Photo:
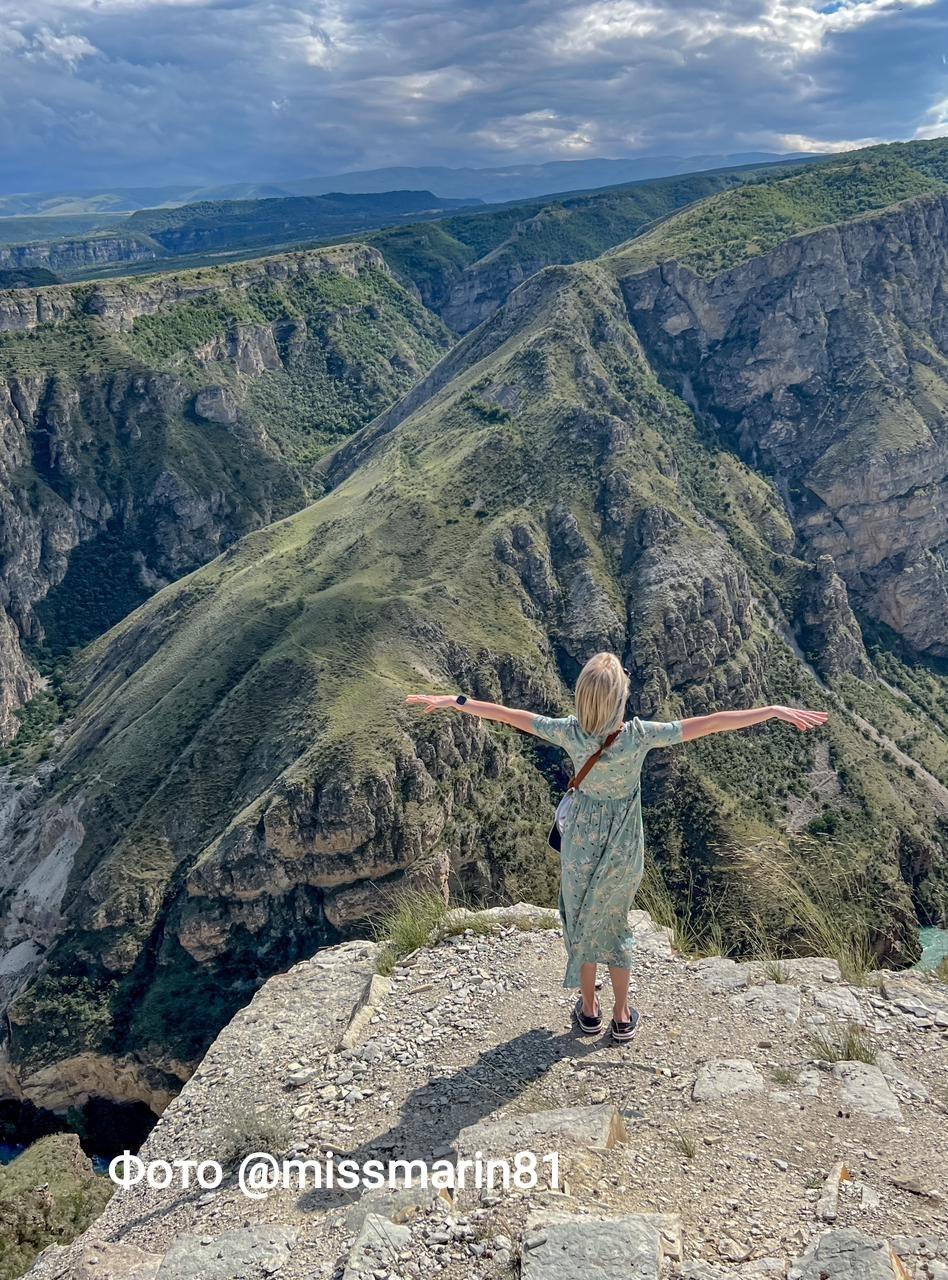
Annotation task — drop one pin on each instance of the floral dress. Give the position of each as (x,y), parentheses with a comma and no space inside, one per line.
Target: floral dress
(603,843)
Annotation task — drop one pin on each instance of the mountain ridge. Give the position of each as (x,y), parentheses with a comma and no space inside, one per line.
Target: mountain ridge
(132,198)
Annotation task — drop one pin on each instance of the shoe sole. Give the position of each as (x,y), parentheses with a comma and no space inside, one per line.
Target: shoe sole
(587,1031)
(631,1036)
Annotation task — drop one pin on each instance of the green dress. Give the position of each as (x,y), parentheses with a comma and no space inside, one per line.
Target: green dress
(603,842)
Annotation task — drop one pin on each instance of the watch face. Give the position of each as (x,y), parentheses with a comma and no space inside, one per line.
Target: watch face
(461,699)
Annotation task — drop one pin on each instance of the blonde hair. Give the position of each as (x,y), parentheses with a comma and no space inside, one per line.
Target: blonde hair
(602,691)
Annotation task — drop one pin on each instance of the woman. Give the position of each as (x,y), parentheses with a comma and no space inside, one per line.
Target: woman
(602,841)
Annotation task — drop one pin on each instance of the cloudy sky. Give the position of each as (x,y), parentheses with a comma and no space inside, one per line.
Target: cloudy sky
(141,92)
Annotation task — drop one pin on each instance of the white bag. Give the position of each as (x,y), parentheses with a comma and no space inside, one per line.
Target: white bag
(562,810)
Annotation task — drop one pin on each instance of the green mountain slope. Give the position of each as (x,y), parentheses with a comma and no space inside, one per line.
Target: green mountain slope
(466,265)
(721,232)
(227,224)
(148,425)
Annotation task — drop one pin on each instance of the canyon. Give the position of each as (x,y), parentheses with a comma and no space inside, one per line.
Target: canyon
(725,462)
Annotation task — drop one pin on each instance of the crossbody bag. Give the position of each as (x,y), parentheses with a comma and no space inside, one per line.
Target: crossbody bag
(555,838)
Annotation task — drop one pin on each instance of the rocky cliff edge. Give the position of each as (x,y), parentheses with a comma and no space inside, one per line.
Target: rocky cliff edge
(769,1120)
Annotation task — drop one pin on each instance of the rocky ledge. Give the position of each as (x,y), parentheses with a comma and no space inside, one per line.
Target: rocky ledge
(769,1121)
(118,303)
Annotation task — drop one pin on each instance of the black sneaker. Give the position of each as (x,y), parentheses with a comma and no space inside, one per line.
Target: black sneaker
(590,1026)
(622,1031)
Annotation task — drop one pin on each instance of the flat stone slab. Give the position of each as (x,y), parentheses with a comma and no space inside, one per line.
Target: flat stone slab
(244,1254)
(812,971)
(755,1269)
(915,995)
(866,1090)
(376,1248)
(848,1255)
(397,1204)
(720,975)
(771,1000)
(564,1247)
(649,936)
(99,1260)
(727,1078)
(522,915)
(596,1128)
(899,1079)
(839,1003)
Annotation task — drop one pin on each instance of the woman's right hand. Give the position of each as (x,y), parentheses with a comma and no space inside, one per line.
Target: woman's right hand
(433,702)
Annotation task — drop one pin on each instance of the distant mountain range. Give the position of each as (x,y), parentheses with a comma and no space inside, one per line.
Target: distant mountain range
(89,209)
(192,235)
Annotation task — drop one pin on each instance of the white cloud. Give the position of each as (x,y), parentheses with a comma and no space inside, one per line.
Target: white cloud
(544,131)
(448,84)
(935,124)
(820,146)
(53,47)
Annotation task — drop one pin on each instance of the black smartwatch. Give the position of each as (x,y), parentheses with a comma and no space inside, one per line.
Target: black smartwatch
(461,699)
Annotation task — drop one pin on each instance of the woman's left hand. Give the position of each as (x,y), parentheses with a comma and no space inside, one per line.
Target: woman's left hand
(800,718)
(433,702)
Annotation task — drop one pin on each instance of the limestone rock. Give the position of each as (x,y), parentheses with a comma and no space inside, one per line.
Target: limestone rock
(376,1247)
(249,1252)
(914,995)
(596,1128)
(727,1078)
(827,1207)
(830,630)
(564,1247)
(864,1089)
(899,1079)
(840,1003)
(521,915)
(100,1260)
(774,1000)
(216,404)
(720,974)
(650,937)
(848,1255)
(397,1204)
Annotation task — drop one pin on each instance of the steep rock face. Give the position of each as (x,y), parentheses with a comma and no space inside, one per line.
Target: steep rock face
(146,424)
(18,680)
(826,361)
(63,257)
(830,631)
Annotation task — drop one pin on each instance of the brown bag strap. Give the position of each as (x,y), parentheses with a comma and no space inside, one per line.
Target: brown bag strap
(578,779)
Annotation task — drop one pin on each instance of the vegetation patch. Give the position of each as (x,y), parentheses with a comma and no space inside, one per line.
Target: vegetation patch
(48,1195)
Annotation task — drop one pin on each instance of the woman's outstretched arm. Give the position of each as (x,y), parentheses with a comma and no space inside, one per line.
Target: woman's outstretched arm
(725,721)
(484,710)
